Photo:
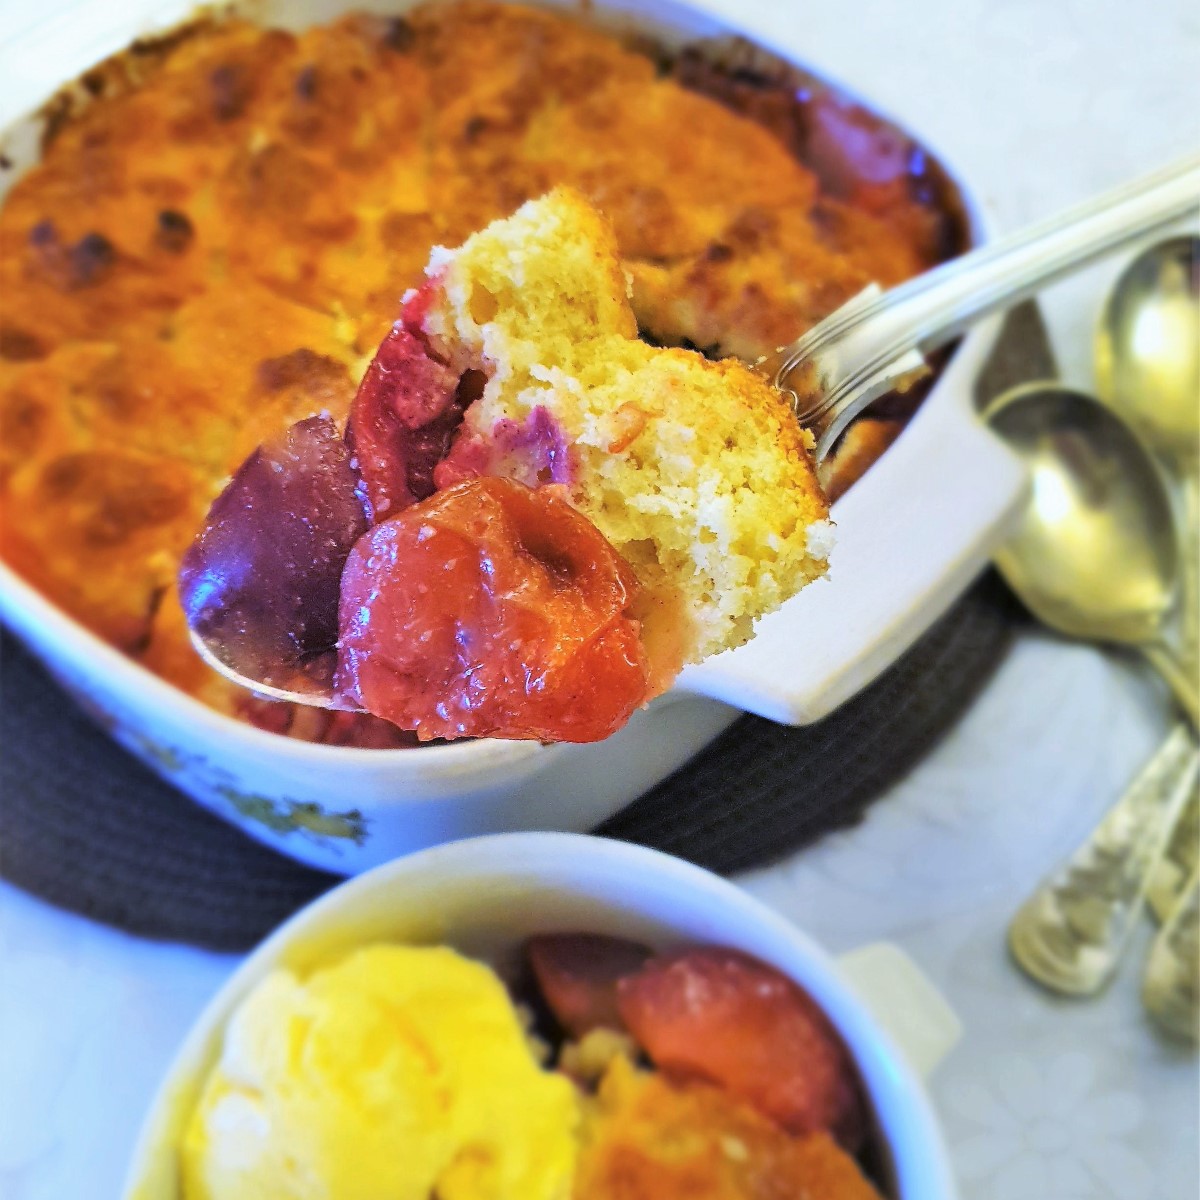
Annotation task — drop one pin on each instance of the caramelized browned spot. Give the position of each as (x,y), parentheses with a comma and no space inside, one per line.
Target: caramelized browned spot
(23,421)
(106,498)
(17,345)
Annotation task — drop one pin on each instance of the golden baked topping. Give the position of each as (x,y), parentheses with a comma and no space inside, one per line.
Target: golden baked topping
(211,246)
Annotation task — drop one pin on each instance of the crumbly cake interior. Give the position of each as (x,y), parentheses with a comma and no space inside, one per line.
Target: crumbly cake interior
(214,244)
(695,471)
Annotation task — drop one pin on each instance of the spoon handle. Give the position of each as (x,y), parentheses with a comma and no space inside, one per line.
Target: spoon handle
(1171,989)
(1189,504)
(1177,677)
(854,350)
(1069,934)
(1182,854)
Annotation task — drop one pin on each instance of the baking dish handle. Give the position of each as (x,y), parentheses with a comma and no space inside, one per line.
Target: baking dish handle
(910,538)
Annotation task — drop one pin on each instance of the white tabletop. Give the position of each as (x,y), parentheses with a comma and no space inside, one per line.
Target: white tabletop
(1038,103)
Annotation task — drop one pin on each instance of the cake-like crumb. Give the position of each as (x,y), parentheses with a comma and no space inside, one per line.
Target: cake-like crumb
(587,1059)
(647,1136)
(695,471)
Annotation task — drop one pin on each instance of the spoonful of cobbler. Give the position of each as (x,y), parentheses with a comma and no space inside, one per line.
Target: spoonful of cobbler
(531,519)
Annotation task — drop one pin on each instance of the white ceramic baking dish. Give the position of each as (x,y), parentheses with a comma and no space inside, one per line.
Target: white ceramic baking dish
(910,536)
(484,896)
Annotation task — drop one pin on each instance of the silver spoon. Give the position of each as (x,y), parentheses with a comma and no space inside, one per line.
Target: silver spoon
(1148,349)
(1096,553)
(1095,556)
(875,342)
(1148,368)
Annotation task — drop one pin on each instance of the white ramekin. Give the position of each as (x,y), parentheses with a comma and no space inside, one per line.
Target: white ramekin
(485,895)
(910,536)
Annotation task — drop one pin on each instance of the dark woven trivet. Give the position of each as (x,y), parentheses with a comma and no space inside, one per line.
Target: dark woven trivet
(87,827)
(761,789)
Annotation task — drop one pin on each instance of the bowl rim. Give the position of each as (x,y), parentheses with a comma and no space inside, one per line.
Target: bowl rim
(23,606)
(566,859)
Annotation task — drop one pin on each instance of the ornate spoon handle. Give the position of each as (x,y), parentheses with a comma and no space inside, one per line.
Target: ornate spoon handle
(1179,860)
(1070,932)
(1183,850)
(1171,991)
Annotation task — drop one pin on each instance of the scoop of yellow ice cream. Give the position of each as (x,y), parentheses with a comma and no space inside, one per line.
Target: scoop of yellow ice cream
(397,1073)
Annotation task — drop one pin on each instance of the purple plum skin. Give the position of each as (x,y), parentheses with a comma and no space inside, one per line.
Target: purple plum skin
(260,584)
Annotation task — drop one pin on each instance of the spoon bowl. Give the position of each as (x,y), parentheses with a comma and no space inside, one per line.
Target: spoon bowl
(1095,554)
(1148,347)
(1148,370)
